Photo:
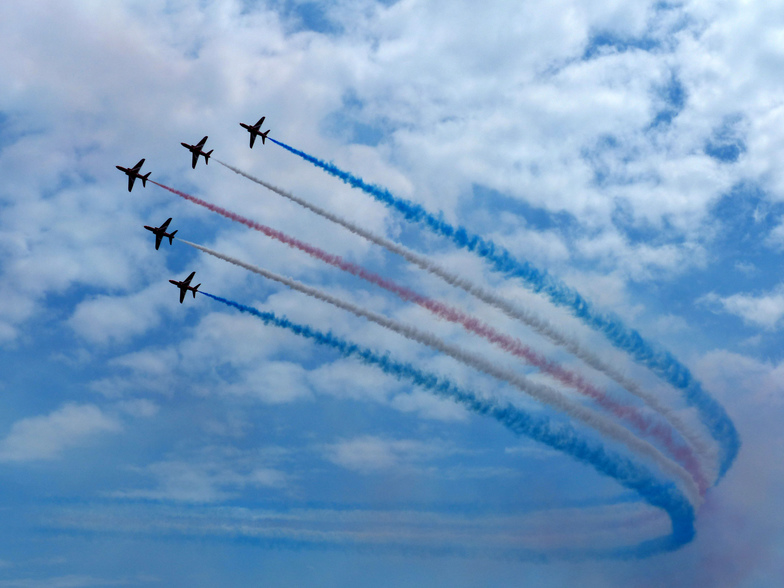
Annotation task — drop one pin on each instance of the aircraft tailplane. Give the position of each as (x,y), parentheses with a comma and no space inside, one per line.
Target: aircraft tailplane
(196,290)
(144,179)
(207,156)
(171,239)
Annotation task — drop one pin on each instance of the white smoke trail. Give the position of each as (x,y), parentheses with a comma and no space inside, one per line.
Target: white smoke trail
(708,456)
(544,394)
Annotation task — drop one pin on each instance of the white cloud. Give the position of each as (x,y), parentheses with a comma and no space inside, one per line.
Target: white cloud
(496,97)
(776,237)
(113,319)
(275,382)
(427,405)
(46,437)
(764,310)
(726,373)
(368,454)
(139,408)
(69,581)
(207,480)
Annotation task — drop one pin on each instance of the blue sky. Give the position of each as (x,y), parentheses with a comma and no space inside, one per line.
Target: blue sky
(629,149)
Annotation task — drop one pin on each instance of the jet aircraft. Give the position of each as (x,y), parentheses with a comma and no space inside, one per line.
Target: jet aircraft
(196,150)
(185,285)
(255,130)
(133,173)
(160,233)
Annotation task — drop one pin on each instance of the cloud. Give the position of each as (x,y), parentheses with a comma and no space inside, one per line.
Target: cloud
(369,454)
(430,407)
(276,382)
(550,104)
(765,310)
(776,237)
(205,481)
(69,581)
(116,319)
(46,437)
(726,372)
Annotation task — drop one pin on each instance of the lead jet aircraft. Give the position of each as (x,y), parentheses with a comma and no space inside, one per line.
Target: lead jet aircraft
(255,130)
(185,285)
(196,150)
(160,233)
(133,173)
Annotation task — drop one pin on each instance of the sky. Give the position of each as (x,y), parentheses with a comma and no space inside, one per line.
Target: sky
(626,150)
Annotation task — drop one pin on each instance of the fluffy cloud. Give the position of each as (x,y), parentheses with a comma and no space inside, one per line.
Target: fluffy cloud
(46,437)
(764,310)
(604,133)
(368,454)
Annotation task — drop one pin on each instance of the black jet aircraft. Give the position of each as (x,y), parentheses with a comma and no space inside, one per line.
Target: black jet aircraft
(160,233)
(185,285)
(133,173)
(255,130)
(196,150)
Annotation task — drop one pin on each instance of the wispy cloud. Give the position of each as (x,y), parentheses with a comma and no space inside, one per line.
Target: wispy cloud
(216,476)
(69,581)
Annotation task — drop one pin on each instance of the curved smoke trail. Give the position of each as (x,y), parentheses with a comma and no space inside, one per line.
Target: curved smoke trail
(658,360)
(509,344)
(544,394)
(563,438)
(539,324)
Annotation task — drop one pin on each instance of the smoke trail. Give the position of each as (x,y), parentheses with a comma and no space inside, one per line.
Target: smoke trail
(543,393)
(658,360)
(564,438)
(509,344)
(540,325)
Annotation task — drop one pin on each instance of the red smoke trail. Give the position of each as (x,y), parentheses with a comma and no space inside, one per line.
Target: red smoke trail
(509,344)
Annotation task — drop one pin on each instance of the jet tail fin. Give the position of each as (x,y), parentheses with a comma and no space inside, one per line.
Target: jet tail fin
(144,179)
(171,239)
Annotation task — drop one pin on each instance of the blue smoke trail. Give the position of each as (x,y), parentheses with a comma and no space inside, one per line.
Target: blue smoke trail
(658,360)
(564,438)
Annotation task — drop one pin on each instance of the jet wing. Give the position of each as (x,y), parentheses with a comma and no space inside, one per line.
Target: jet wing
(131,180)
(201,143)
(165,225)
(195,159)
(261,122)
(139,165)
(252,139)
(158,238)
(183,290)
(187,281)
